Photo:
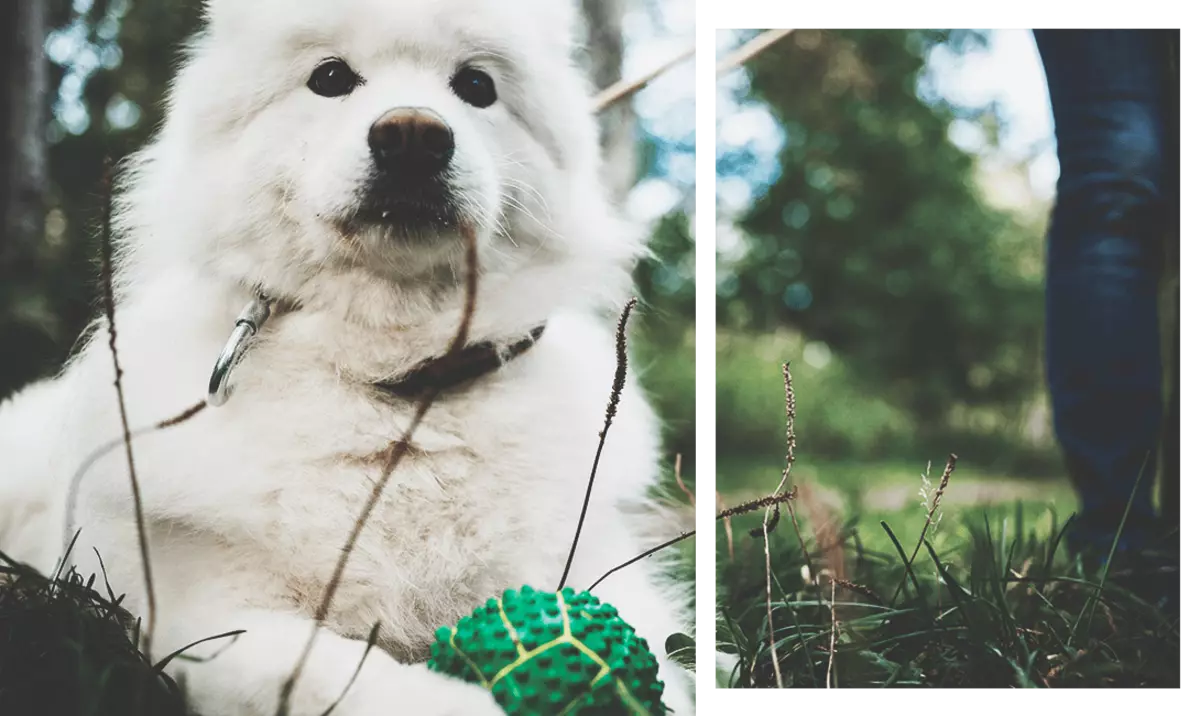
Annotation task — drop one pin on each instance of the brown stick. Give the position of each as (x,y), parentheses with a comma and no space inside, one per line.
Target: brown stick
(832,632)
(745,507)
(90,460)
(679,479)
(753,48)
(396,452)
(110,312)
(626,88)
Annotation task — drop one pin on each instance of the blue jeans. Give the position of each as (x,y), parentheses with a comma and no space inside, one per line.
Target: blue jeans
(1117,201)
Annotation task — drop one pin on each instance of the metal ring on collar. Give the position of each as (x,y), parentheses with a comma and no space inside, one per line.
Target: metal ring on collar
(248,323)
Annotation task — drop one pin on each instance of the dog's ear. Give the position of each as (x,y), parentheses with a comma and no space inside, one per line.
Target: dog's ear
(208,7)
(210,10)
(220,12)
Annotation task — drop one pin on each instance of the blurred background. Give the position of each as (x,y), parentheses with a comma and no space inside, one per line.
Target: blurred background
(882,196)
(882,200)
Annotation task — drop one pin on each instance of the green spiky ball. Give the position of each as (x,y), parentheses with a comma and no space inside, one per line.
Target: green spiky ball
(543,653)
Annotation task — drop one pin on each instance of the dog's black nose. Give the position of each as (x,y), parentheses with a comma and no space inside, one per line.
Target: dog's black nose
(411,143)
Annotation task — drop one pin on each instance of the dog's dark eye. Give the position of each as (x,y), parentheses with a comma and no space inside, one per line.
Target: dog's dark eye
(475,87)
(333,78)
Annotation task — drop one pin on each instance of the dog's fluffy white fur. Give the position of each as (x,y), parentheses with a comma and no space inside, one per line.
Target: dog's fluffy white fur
(247,505)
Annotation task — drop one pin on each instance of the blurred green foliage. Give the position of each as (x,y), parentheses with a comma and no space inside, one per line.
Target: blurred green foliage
(837,417)
(872,238)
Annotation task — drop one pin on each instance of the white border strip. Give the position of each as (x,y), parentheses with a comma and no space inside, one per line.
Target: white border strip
(933,12)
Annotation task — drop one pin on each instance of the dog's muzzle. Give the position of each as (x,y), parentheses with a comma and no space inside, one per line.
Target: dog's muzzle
(411,151)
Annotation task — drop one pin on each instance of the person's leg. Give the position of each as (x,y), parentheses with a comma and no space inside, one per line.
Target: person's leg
(1169,486)
(1105,254)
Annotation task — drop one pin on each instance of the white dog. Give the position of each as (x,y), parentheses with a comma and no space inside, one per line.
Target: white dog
(328,153)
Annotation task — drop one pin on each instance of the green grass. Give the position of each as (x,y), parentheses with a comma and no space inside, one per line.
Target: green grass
(991,605)
(997,599)
(992,600)
(874,491)
(67,649)
(1002,614)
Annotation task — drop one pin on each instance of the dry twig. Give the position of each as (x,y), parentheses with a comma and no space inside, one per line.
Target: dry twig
(614,399)
(395,453)
(726,514)
(951,463)
(728,524)
(626,88)
(771,519)
(110,310)
(832,632)
(679,479)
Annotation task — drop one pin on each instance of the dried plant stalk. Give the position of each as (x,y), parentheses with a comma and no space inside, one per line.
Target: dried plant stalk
(614,399)
(395,453)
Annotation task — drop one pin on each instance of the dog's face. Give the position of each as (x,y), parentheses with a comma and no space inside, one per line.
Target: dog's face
(366,133)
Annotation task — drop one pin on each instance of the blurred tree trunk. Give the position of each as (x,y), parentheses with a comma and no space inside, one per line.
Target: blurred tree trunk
(618,124)
(23,82)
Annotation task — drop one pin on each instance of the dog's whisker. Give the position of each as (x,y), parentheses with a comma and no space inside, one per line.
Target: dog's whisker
(523,187)
(520,207)
(493,223)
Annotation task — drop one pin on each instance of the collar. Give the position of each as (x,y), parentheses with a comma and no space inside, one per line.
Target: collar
(456,369)
(441,373)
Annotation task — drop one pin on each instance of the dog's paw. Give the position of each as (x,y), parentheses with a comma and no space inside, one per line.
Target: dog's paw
(446,696)
(421,692)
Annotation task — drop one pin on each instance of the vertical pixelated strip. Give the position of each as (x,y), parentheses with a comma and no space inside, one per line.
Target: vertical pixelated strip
(703,226)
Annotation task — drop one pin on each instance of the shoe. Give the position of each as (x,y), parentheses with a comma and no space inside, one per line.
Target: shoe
(1145,562)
